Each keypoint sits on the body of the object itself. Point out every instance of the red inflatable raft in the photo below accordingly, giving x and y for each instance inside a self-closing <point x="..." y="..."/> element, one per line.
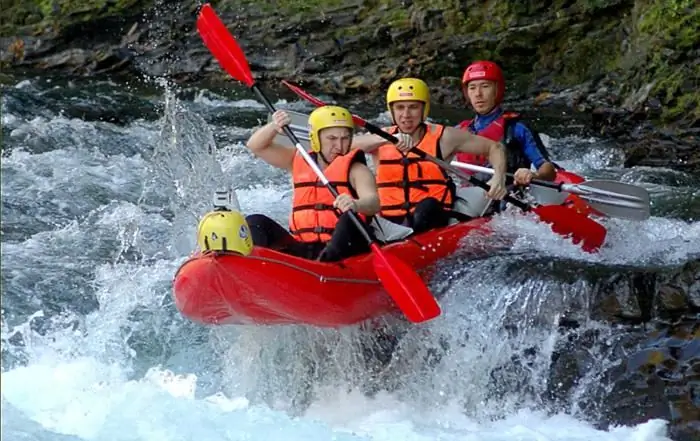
<point x="268" y="287"/>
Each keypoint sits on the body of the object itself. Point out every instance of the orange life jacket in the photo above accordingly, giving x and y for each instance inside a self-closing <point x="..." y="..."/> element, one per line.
<point x="404" y="180"/>
<point x="313" y="218"/>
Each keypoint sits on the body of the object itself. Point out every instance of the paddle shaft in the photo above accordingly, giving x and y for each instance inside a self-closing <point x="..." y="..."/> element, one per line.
<point x="288" y="131"/>
<point x="561" y="186"/>
<point x="586" y="189"/>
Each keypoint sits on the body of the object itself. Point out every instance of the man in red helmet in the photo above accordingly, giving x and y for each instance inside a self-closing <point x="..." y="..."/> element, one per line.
<point x="483" y="86"/>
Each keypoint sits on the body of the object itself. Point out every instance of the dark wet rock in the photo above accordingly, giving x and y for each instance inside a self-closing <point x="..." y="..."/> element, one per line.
<point x="656" y="378"/>
<point x="630" y="64"/>
<point x="640" y="296"/>
<point x="629" y="346"/>
<point x="655" y="337"/>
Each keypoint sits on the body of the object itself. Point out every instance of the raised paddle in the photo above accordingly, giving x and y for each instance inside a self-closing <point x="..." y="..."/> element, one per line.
<point x="564" y="221"/>
<point x="402" y="283"/>
<point x="612" y="198"/>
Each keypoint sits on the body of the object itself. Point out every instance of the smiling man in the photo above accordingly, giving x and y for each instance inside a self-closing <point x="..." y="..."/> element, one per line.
<point x="483" y="87"/>
<point x="416" y="192"/>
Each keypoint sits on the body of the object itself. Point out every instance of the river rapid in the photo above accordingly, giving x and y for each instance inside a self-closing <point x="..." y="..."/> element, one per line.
<point x="103" y="183"/>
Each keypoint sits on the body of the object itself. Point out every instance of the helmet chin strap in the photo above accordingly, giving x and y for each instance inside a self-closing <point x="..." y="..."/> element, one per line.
<point x="320" y="153"/>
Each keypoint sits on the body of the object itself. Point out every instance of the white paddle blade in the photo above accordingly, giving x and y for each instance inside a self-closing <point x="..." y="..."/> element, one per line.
<point x="620" y="209"/>
<point x="610" y="189"/>
<point x="387" y="231"/>
<point x="300" y="127"/>
<point x="616" y="199"/>
<point x="547" y="196"/>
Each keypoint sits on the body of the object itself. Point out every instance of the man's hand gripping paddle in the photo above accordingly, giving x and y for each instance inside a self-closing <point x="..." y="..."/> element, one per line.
<point x="400" y="280"/>
<point x="564" y="221"/>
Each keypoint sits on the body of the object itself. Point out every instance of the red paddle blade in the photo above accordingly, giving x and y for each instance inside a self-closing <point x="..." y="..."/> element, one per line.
<point x="405" y="286"/>
<point x="312" y="99"/>
<point x="223" y="46"/>
<point x="567" y="176"/>
<point x="568" y="222"/>
<point x="302" y="93"/>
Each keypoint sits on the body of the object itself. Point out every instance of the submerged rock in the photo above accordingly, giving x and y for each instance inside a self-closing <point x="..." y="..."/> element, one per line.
<point x="655" y="337"/>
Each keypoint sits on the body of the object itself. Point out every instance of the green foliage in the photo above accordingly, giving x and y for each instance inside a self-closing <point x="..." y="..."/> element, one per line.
<point x="671" y="22"/>
<point x="665" y="29"/>
<point x="17" y="15"/>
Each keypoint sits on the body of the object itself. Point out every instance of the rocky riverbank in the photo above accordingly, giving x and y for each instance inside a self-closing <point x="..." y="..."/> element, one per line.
<point x="632" y="65"/>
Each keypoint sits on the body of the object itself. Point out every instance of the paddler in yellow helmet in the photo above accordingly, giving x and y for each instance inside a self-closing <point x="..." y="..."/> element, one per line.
<point x="315" y="230"/>
<point x="416" y="192"/>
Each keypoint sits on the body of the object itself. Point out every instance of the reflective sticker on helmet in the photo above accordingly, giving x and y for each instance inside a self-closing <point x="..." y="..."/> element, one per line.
<point x="477" y="74"/>
<point x="405" y="93"/>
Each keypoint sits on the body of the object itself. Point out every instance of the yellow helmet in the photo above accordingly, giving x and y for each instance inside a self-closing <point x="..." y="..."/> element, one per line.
<point x="224" y="230"/>
<point x="409" y="89"/>
<point x="325" y="117"/>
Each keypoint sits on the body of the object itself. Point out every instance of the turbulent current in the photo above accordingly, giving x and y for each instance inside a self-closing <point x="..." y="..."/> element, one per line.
<point x="102" y="188"/>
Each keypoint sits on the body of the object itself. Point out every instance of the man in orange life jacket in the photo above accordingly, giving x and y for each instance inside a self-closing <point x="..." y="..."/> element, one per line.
<point x="316" y="230"/>
<point x="416" y="192"/>
<point x="483" y="86"/>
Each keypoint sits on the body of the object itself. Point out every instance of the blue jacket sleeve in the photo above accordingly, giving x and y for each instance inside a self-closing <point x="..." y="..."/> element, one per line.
<point x="527" y="140"/>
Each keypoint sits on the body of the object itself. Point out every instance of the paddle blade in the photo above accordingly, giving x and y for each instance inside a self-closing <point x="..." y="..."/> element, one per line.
<point x="405" y="286"/>
<point x="620" y="209"/>
<point x="223" y="46"/>
<point x="566" y="176"/>
<point x="570" y="223"/>
<point x="613" y="189"/>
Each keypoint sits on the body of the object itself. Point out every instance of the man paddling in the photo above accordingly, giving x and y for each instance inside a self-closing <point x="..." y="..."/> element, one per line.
<point x="484" y="87"/>
<point x="413" y="191"/>
<point x="316" y="229"/>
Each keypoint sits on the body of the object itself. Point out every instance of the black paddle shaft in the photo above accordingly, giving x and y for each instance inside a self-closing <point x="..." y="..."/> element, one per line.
<point x="288" y="131"/>
<point x="474" y="181"/>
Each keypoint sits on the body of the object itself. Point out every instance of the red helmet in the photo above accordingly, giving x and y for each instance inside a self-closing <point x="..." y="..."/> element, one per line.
<point x="485" y="70"/>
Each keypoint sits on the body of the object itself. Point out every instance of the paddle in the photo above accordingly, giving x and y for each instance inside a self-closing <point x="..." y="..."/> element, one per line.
<point x="563" y="221"/>
<point x="402" y="283"/>
<point x="612" y="198"/>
